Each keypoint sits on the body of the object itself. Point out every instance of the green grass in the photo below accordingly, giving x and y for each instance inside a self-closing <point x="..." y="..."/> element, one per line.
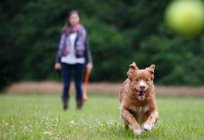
<point x="42" y="117"/>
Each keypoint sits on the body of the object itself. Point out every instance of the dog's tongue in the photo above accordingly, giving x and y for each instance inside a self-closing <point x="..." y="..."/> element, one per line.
<point x="140" y="93"/>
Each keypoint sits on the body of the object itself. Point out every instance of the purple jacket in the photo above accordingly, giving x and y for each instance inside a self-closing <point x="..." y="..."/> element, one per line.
<point x="81" y="45"/>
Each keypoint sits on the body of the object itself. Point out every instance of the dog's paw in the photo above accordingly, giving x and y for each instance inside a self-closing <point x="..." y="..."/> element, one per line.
<point x="138" y="131"/>
<point x="147" y="126"/>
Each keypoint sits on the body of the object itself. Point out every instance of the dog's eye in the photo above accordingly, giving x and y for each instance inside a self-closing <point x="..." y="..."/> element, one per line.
<point x="147" y="79"/>
<point x="137" y="79"/>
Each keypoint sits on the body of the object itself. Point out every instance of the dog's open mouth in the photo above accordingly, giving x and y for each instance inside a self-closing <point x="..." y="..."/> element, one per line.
<point x="140" y="94"/>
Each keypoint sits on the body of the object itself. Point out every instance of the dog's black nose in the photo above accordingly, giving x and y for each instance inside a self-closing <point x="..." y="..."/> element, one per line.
<point x="142" y="87"/>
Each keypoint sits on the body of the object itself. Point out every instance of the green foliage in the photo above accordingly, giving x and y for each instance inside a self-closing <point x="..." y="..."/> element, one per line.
<point x="120" y="32"/>
<point x="42" y="117"/>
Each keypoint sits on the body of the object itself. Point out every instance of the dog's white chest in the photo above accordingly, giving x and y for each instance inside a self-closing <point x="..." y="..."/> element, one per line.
<point x="139" y="110"/>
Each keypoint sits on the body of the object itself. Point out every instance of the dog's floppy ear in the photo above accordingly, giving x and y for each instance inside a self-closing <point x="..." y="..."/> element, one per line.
<point x="132" y="68"/>
<point x="151" y="71"/>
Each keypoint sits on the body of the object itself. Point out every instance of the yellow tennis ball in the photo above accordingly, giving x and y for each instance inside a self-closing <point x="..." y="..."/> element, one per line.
<point x="186" y="17"/>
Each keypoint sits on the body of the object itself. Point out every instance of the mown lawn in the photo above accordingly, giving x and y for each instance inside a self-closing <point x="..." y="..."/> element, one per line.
<point x="42" y="117"/>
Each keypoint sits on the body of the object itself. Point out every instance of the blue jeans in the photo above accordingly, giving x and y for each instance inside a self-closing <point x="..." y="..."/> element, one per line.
<point x="67" y="75"/>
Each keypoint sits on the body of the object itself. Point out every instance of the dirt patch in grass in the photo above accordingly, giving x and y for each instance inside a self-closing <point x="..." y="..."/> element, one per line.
<point x="50" y="87"/>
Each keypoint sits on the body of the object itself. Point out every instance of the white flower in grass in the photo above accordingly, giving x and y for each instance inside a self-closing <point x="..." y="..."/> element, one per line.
<point x="25" y="129"/>
<point x="47" y="133"/>
<point x="72" y="123"/>
<point x="110" y="122"/>
<point x="4" y="123"/>
<point x="100" y="123"/>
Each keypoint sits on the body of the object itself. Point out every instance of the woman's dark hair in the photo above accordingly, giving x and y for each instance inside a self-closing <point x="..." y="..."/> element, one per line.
<point x="67" y="24"/>
<point x="72" y="12"/>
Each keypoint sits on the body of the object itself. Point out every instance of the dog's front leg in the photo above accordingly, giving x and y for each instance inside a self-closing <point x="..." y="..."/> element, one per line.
<point x="151" y="120"/>
<point x="128" y="117"/>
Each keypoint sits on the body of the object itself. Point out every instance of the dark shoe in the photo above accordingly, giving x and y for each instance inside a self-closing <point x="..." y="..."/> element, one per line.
<point x="79" y="104"/>
<point x="65" y="103"/>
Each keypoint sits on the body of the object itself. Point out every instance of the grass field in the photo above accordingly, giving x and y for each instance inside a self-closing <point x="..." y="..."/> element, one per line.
<point x="42" y="117"/>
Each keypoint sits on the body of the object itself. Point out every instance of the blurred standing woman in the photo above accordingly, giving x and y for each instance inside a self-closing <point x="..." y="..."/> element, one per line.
<point x="73" y="55"/>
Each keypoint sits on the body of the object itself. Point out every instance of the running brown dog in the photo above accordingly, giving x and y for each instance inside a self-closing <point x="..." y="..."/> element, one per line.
<point x="137" y="97"/>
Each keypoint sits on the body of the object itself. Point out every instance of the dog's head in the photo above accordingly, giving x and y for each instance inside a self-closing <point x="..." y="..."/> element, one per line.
<point x="140" y="80"/>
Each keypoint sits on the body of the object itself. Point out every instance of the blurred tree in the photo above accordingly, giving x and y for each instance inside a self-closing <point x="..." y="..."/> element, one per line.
<point x="120" y="32"/>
